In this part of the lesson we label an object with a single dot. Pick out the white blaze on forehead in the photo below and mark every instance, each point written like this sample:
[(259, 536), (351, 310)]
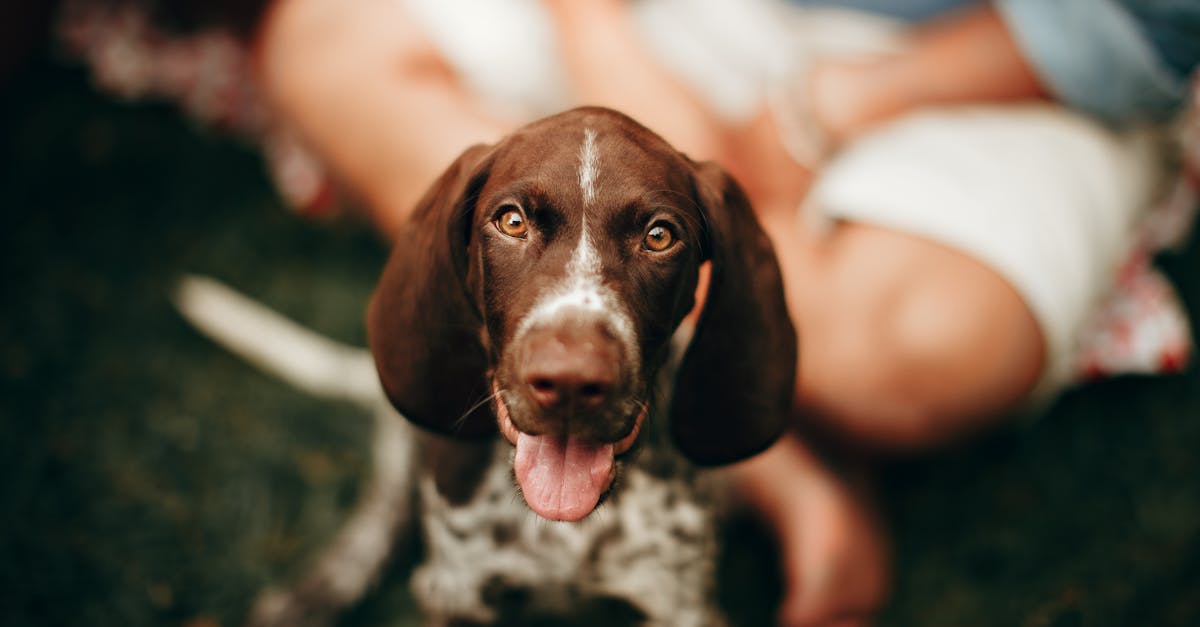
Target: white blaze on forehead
[(585, 261), (589, 165), (582, 290)]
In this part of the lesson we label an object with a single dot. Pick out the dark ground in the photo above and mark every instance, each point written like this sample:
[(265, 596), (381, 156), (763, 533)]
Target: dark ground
[(149, 478)]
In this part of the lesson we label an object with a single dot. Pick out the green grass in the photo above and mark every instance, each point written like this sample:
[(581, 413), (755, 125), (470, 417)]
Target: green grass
[(148, 478)]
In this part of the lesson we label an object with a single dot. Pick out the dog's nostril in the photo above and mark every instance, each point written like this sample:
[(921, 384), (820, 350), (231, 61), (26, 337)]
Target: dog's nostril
[(592, 392), (544, 391), (548, 391), (569, 367)]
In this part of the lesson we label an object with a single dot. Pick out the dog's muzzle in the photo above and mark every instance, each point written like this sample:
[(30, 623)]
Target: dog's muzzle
[(569, 411)]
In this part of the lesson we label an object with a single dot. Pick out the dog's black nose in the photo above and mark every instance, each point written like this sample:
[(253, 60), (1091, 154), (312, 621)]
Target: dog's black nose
[(568, 390), (570, 367)]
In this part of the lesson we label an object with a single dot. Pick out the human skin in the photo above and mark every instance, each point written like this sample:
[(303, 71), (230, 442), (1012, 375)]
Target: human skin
[(369, 92)]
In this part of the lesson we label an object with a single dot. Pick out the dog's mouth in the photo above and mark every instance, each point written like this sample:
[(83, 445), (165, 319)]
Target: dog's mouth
[(563, 476)]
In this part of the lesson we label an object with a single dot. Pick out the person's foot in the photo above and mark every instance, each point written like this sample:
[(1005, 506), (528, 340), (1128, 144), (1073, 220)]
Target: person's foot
[(833, 551)]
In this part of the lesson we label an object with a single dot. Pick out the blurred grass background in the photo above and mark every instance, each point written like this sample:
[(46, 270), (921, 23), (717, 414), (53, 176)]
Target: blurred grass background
[(149, 478)]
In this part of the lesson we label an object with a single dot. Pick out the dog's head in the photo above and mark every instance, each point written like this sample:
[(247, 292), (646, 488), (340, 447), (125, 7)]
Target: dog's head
[(543, 278)]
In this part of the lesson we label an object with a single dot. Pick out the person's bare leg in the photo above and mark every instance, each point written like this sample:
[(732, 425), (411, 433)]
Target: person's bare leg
[(904, 345), (371, 94), (832, 549)]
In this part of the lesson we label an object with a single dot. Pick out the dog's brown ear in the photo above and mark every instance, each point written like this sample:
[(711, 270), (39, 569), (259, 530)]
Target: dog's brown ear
[(734, 388), (423, 327)]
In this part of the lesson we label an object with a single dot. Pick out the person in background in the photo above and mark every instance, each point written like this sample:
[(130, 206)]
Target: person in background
[(950, 202), (950, 197)]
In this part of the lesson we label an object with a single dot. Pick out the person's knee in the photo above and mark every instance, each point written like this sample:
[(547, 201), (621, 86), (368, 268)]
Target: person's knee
[(873, 391), (927, 366)]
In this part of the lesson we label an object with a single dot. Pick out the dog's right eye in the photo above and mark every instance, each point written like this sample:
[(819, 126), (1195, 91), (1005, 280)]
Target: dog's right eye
[(658, 238), (512, 223)]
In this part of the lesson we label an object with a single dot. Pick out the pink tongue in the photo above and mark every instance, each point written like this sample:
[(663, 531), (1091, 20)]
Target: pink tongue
[(561, 477)]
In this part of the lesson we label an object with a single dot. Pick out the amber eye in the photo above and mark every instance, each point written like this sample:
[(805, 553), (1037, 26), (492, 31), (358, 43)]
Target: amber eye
[(658, 238), (512, 223)]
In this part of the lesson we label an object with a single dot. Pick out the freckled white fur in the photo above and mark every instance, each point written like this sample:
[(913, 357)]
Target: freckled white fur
[(662, 557)]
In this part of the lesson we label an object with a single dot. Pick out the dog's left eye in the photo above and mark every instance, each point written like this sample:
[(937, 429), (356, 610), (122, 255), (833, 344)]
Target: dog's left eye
[(512, 223), (658, 238)]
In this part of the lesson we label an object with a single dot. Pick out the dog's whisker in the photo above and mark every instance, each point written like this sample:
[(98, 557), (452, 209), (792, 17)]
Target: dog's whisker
[(643, 407), (467, 414)]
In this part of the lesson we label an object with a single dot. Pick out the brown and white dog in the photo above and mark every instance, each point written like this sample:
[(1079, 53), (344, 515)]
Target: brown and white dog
[(532, 318), (549, 272)]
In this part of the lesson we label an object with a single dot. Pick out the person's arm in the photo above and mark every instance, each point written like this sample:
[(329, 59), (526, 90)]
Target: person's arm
[(608, 66), (967, 57), (1113, 59)]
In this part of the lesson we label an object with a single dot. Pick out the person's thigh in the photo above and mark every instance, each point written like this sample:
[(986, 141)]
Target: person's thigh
[(973, 244), (1043, 197)]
